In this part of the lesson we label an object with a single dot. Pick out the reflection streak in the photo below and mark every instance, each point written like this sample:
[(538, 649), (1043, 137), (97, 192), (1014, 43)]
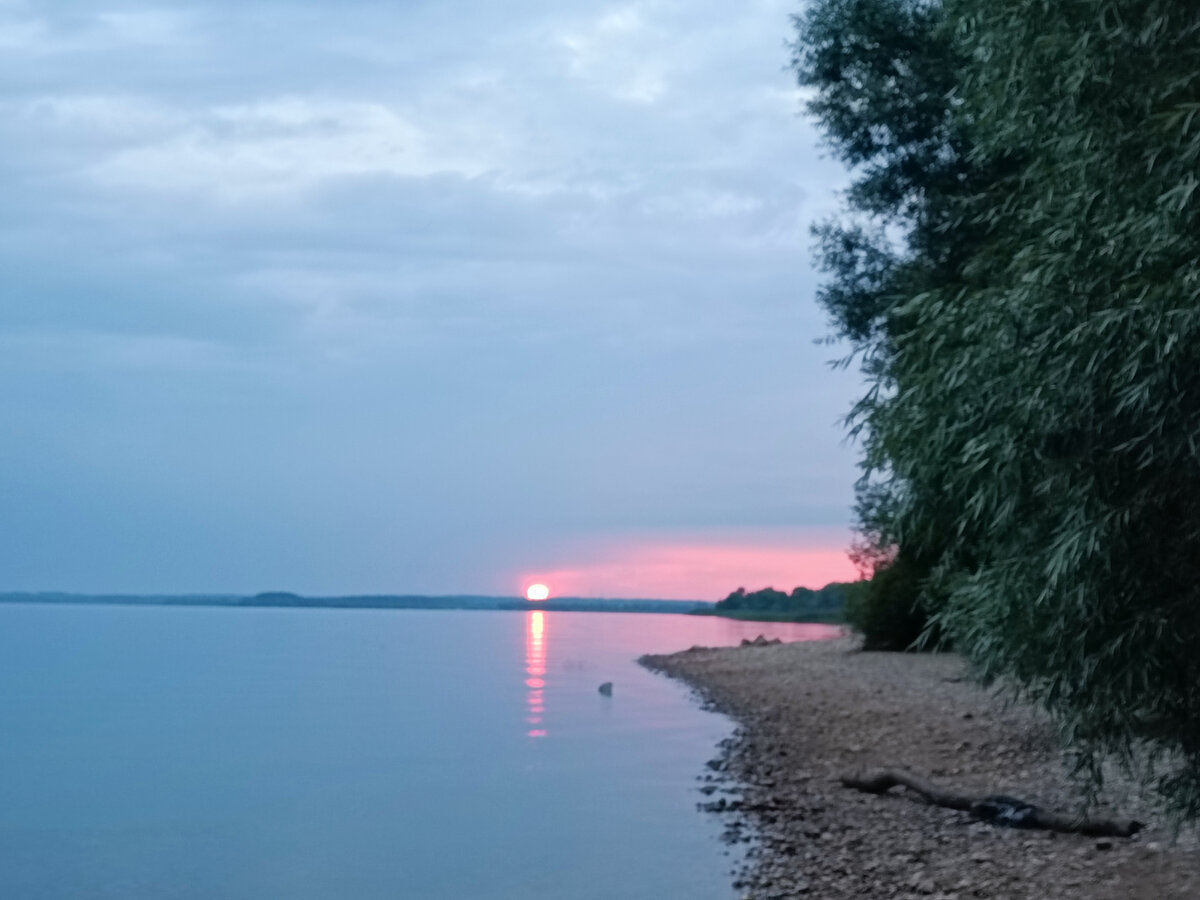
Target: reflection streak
[(535, 667)]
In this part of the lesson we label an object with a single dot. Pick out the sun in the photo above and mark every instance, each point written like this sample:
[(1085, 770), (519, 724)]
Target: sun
[(537, 592)]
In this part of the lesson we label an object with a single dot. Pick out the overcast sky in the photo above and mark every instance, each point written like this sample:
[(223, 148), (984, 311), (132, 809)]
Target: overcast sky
[(414, 296)]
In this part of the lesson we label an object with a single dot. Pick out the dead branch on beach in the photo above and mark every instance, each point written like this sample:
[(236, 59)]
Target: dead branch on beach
[(994, 808)]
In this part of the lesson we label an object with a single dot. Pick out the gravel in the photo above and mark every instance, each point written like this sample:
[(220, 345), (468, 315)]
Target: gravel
[(809, 713)]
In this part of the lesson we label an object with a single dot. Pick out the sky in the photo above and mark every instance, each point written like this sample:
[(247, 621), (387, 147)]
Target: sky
[(414, 297)]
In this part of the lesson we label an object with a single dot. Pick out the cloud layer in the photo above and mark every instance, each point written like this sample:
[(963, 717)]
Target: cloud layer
[(403, 297)]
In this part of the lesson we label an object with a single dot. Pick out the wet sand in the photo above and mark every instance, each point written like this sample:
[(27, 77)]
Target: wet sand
[(810, 713)]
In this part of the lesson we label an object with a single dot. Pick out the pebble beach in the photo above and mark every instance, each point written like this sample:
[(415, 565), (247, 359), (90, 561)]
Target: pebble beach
[(810, 713)]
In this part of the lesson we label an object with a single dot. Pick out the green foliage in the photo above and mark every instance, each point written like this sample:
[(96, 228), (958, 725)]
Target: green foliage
[(1032, 429), (802, 604), (1076, 357), (885, 74), (889, 611)]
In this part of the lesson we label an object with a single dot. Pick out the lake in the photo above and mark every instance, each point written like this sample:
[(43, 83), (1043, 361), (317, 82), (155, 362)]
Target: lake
[(354, 754)]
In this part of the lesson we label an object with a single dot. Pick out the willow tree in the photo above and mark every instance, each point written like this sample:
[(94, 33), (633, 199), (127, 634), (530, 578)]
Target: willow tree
[(1074, 449), (1047, 395), (883, 75)]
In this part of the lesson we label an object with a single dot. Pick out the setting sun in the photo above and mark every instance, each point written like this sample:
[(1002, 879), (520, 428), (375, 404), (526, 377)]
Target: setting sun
[(537, 592)]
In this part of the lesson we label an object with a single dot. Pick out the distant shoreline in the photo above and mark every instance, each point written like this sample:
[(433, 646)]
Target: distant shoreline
[(286, 600)]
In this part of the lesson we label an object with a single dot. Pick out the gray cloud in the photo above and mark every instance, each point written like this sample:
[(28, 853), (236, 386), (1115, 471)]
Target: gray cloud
[(373, 296)]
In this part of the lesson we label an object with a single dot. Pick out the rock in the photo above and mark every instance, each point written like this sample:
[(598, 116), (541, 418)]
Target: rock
[(1104, 844), (760, 641), (606, 689)]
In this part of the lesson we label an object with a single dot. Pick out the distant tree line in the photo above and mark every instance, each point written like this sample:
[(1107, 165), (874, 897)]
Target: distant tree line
[(1016, 271), (827, 603)]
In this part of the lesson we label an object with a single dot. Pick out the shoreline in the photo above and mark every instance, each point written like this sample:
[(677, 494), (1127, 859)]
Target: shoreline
[(809, 713)]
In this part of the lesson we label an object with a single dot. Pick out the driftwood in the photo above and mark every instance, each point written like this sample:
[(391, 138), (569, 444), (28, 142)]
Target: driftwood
[(995, 808)]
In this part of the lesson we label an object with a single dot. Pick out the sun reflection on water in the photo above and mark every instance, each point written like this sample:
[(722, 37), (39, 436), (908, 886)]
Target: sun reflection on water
[(535, 668)]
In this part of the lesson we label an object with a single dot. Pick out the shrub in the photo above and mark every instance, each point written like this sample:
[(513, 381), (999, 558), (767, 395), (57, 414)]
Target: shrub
[(888, 610)]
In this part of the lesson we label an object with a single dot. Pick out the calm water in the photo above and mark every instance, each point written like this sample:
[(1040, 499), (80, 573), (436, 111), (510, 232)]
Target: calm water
[(351, 755)]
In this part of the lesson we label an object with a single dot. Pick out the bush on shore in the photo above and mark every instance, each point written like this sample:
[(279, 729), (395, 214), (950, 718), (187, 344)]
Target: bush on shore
[(888, 611)]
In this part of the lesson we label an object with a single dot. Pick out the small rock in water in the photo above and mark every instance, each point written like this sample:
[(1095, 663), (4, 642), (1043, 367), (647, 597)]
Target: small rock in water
[(606, 689)]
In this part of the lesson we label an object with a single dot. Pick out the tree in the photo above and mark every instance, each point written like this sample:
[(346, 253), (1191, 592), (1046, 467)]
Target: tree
[(1058, 398), (1033, 418), (736, 600), (885, 74)]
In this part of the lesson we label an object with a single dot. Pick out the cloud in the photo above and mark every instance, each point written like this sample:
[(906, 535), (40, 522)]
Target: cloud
[(96, 116), (380, 296), (84, 352), (30, 31), (237, 153), (18, 35), (156, 27), (618, 54)]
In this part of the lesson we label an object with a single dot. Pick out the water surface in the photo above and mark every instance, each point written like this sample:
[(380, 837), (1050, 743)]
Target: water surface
[(321, 754)]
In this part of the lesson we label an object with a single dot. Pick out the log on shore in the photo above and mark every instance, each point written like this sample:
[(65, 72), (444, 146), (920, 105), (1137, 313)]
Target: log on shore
[(995, 808)]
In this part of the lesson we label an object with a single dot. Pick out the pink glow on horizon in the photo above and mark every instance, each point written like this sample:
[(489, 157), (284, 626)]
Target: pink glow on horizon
[(699, 570)]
